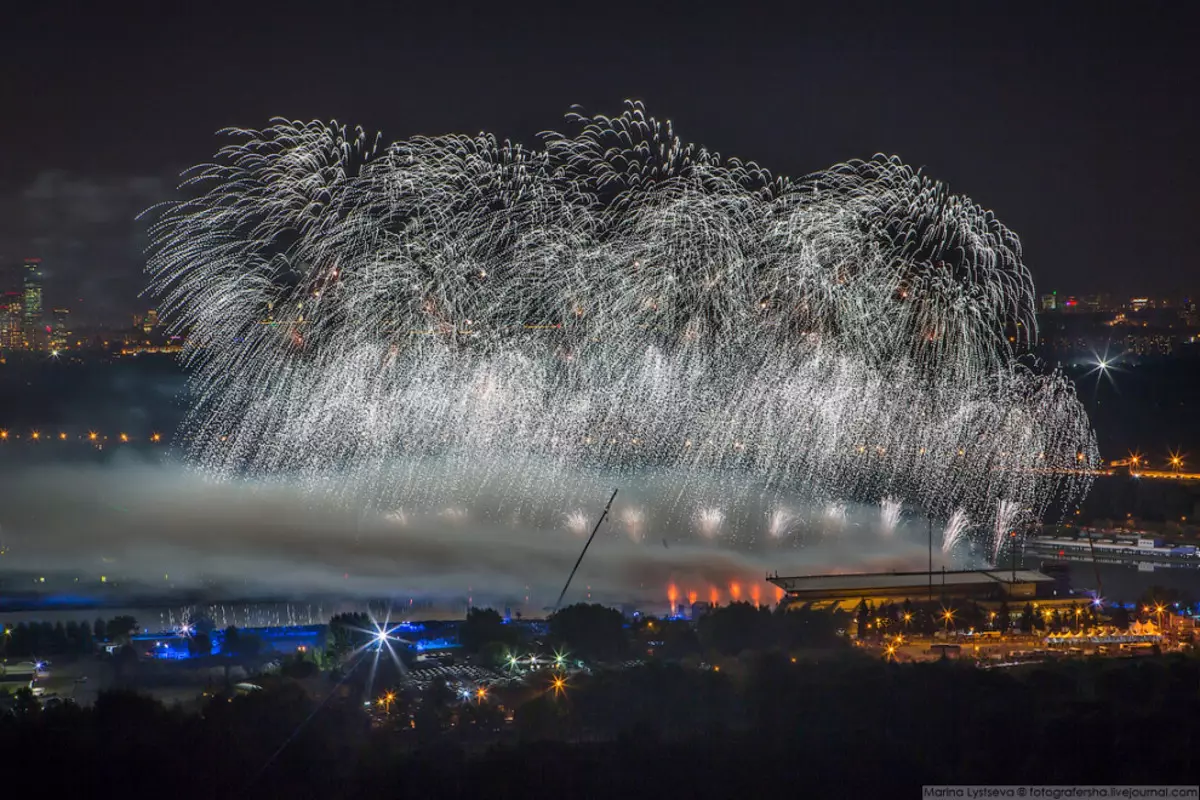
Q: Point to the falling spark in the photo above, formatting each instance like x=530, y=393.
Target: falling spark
x=633, y=518
x=708, y=522
x=779, y=522
x=836, y=512
x=889, y=515
x=449, y=317
x=577, y=522
x=1008, y=515
x=956, y=530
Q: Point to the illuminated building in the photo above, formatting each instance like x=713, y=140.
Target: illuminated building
x=60, y=329
x=1050, y=302
x=11, y=322
x=150, y=322
x=35, y=334
x=846, y=591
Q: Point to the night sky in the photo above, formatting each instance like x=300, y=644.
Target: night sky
x=1077, y=124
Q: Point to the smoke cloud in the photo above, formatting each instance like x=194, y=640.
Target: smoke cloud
x=165, y=525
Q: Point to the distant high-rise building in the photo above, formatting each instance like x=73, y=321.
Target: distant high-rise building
x=150, y=322
x=12, y=322
x=31, y=284
x=1050, y=302
x=60, y=329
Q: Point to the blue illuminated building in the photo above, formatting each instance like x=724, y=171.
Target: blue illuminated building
x=284, y=639
x=166, y=646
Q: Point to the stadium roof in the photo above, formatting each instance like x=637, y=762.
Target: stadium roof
x=903, y=580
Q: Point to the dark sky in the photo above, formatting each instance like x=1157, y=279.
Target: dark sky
x=1076, y=122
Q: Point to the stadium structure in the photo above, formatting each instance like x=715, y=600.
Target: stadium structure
x=845, y=592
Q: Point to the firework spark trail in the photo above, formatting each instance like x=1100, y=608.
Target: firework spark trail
x=889, y=515
x=1008, y=514
x=779, y=522
x=633, y=519
x=577, y=522
x=956, y=530
x=708, y=522
x=615, y=301
x=835, y=512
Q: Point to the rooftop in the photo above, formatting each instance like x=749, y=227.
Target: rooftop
x=900, y=580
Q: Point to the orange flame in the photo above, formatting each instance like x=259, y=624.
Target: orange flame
x=692, y=598
x=672, y=595
x=778, y=594
x=735, y=591
x=714, y=596
x=755, y=595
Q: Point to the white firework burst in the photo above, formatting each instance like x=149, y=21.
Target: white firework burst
x=780, y=522
x=889, y=515
x=409, y=323
x=1008, y=516
x=633, y=520
x=577, y=522
x=956, y=530
x=708, y=522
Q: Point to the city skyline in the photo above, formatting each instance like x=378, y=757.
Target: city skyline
x=940, y=87
x=15, y=284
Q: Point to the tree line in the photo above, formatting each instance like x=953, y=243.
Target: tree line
x=842, y=726
x=28, y=639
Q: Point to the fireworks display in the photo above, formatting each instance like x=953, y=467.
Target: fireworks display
x=459, y=320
